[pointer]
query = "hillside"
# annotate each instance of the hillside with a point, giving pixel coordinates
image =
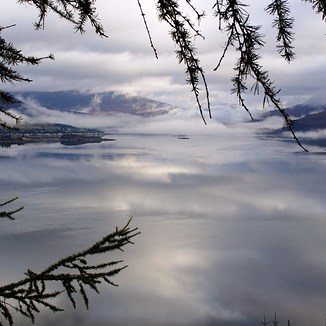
(90, 104)
(66, 106)
(297, 111)
(315, 121)
(305, 117)
(309, 122)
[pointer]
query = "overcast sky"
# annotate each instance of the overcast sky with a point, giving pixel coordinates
(125, 61)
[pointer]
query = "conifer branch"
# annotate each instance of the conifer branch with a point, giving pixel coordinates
(199, 15)
(75, 11)
(10, 57)
(169, 12)
(74, 273)
(247, 41)
(284, 24)
(319, 6)
(9, 214)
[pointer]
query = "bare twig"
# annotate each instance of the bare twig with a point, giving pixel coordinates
(147, 29)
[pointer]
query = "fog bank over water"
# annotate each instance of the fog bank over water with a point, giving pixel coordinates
(232, 227)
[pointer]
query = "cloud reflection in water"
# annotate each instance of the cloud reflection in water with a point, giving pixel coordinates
(228, 232)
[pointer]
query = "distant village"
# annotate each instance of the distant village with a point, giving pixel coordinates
(65, 134)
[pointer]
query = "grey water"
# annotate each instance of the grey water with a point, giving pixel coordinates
(231, 228)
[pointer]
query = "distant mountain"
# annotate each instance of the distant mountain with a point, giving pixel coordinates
(297, 111)
(307, 118)
(315, 121)
(95, 104)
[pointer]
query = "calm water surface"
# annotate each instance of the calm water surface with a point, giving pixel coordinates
(232, 229)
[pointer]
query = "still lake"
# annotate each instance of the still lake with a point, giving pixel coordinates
(231, 228)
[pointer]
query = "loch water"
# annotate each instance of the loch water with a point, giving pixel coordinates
(231, 228)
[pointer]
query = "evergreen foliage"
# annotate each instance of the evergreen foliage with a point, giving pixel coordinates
(245, 38)
(78, 12)
(75, 274)
(10, 57)
(182, 32)
(9, 214)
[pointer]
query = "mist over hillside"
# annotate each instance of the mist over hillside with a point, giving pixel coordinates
(306, 117)
(109, 111)
(91, 104)
(115, 111)
(309, 123)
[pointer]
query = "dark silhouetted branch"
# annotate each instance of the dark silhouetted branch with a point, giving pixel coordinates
(147, 29)
(74, 273)
(9, 213)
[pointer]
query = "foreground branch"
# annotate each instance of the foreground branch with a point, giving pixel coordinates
(9, 213)
(74, 273)
(247, 41)
(181, 26)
